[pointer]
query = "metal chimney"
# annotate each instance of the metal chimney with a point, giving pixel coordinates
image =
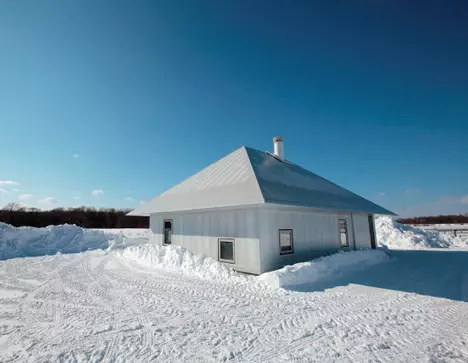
(278, 145)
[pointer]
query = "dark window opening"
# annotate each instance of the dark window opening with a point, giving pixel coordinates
(226, 250)
(167, 232)
(372, 232)
(286, 241)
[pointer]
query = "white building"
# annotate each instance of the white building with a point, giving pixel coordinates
(257, 212)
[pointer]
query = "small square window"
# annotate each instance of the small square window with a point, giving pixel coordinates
(226, 250)
(286, 241)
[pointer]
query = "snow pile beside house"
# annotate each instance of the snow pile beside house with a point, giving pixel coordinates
(323, 268)
(178, 259)
(399, 236)
(30, 241)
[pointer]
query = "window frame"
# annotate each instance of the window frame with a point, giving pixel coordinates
(292, 241)
(231, 240)
(346, 232)
(164, 231)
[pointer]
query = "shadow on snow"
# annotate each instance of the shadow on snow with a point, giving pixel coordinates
(439, 273)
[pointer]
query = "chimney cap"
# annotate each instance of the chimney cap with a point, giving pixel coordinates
(279, 147)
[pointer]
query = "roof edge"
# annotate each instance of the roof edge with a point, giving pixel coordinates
(198, 210)
(327, 209)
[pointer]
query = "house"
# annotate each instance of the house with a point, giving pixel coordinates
(258, 212)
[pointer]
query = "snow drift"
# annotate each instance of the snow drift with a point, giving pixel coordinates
(134, 233)
(178, 259)
(322, 268)
(399, 236)
(30, 241)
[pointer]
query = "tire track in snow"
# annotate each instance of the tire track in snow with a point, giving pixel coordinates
(176, 292)
(29, 316)
(165, 316)
(96, 277)
(335, 308)
(141, 321)
(138, 322)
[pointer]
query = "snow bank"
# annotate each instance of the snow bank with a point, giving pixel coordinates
(30, 241)
(399, 236)
(323, 268)
(442, 227)
(126, 232)
(178, 259)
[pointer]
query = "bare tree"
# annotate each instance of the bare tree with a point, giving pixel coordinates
(14, 207)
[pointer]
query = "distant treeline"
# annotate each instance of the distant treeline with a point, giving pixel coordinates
(90, 217)
(87, 217)
(436, 219)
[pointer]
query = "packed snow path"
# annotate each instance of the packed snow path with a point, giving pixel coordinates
(96, 307)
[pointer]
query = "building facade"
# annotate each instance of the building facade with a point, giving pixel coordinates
(258, 212)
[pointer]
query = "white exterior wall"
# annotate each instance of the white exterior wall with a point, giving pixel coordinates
(315, 233)
(198, 231)
(362, 231)
(256, 229)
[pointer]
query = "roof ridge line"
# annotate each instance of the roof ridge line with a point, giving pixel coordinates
(246, 149)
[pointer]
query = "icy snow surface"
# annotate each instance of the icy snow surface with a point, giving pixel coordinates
(145, 303)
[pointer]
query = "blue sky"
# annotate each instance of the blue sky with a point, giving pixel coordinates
(109, 103)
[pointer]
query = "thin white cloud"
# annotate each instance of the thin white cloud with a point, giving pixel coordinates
(4, 191)
(46, 203)
(76, 156)
(97, 192)
(76, 197)
(129, 199)
(142, 201)
(48, 200)
(382, 194)
(464, 199)
(16, 190)
(24, 197)
(8, 182)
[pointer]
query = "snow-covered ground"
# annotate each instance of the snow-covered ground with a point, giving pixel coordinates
(148, 303)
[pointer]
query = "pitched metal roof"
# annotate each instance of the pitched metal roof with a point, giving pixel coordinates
(248, 176)
(228, 182)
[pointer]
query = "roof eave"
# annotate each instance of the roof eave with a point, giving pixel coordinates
(137, 213)
(295, 204)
